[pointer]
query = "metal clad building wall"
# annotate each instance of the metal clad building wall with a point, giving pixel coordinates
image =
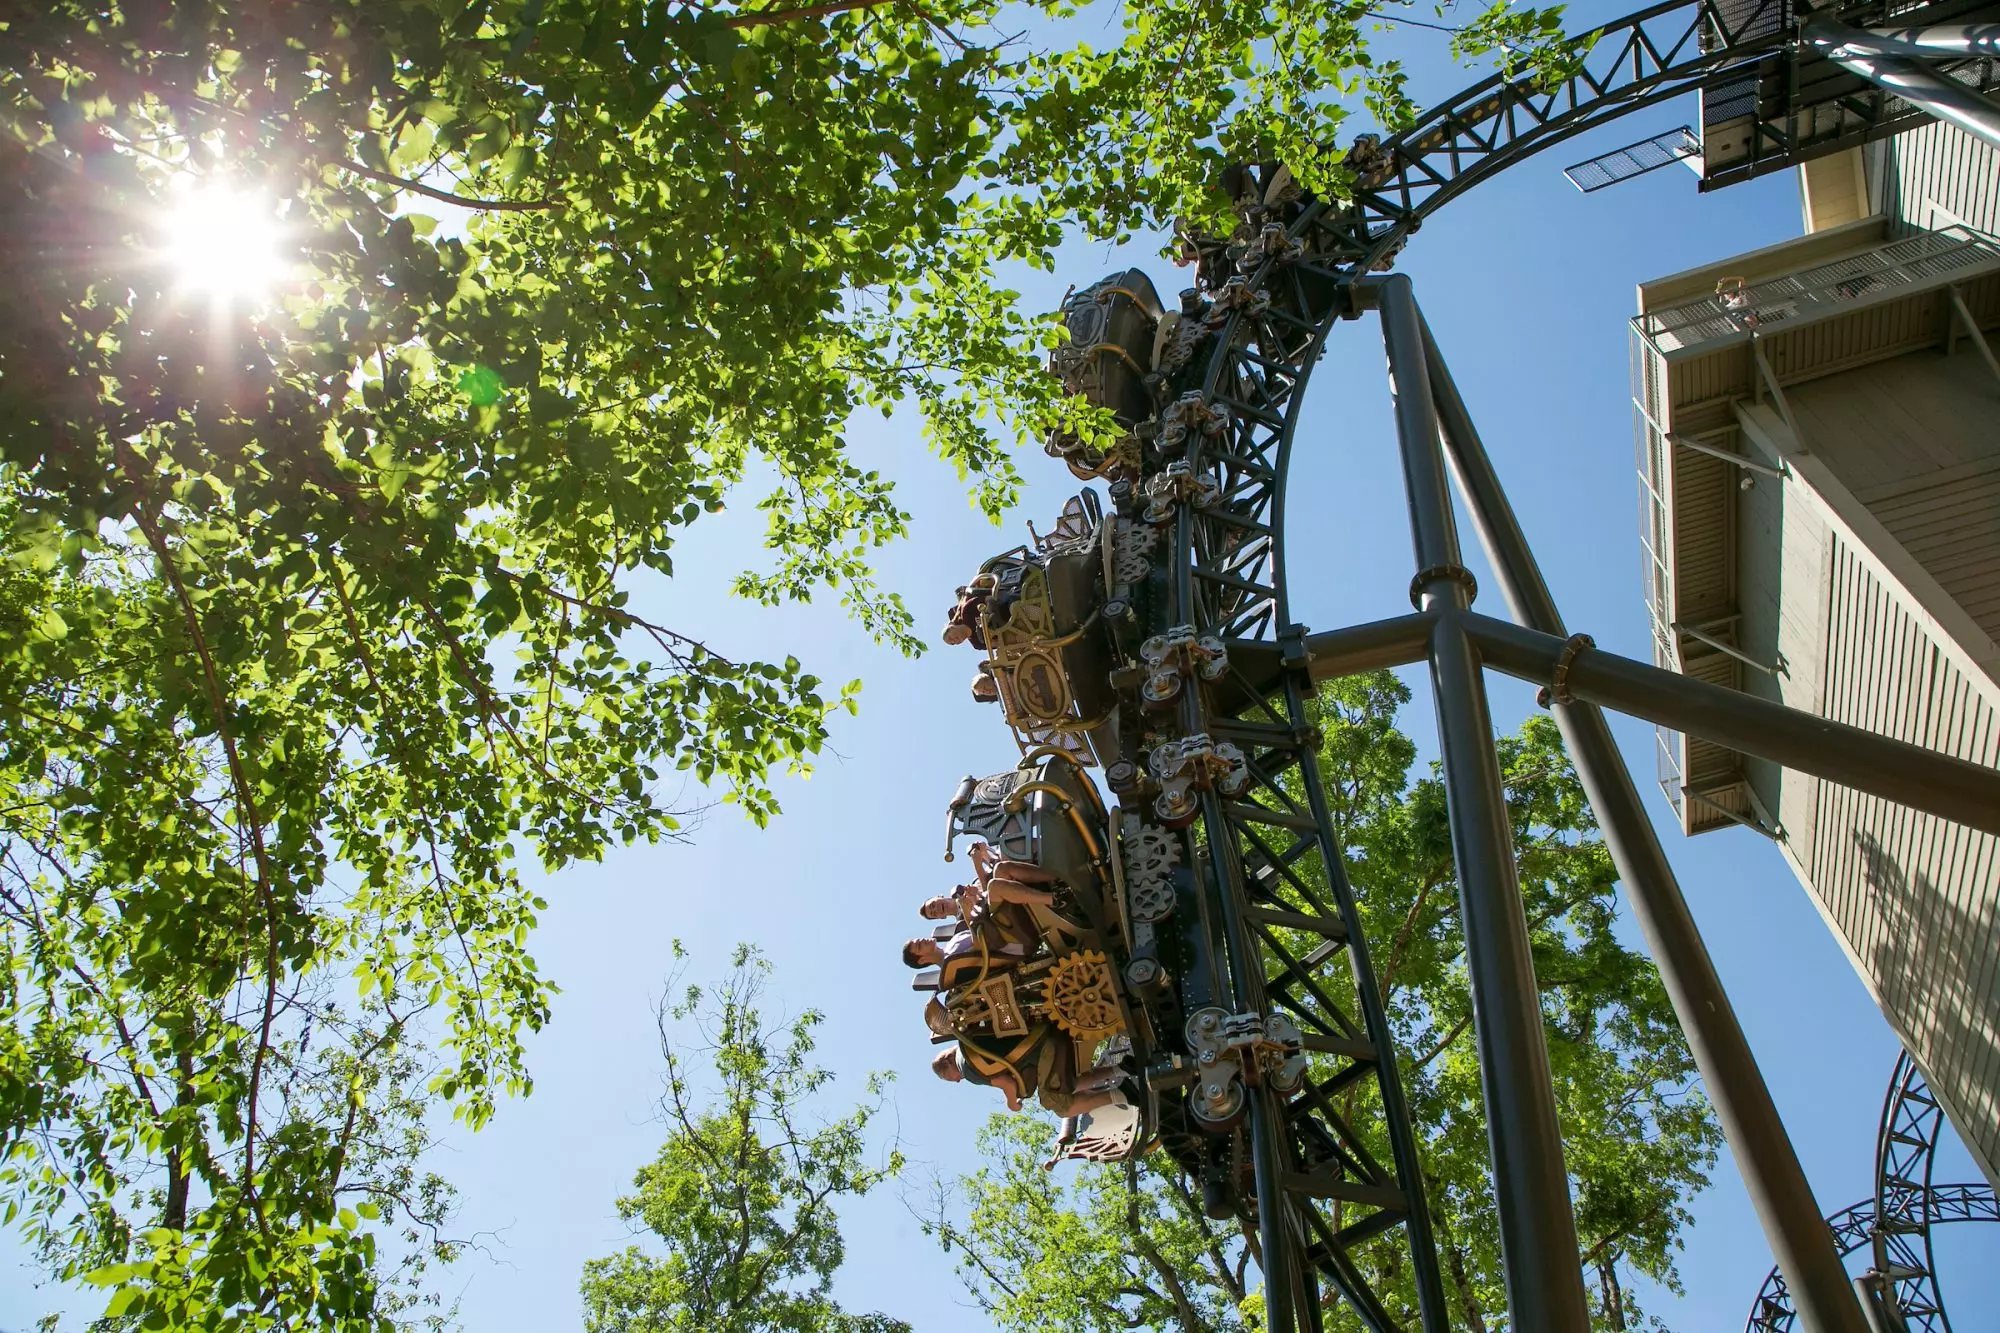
(1943, 177)
(1783, 602)
(1914, 897)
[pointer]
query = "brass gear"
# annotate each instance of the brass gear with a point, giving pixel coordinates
(1082, 998)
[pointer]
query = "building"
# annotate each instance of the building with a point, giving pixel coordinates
(1819, 454)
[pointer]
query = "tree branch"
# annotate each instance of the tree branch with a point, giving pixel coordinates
(446, 196)
(253, 820)
(767, 18)
(1457, 1031)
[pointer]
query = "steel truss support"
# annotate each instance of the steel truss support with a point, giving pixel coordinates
(1792, 1218)
(1895, 1225)
(1328, 1214)
(1538, 1235)
(1537, 1229)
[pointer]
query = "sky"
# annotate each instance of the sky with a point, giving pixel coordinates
(1529, 286)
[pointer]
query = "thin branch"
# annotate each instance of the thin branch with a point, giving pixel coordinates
(1457, 1031)
(446, 196)
(766, 18)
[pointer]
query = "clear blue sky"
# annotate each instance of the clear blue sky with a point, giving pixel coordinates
(1529, 285)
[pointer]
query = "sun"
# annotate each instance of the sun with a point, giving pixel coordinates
(224, 242)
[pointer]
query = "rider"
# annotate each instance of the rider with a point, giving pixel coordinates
(1040, 1064)
(966, 957)
(962, 622)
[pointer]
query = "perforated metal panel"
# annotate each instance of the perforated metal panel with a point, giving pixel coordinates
(1635, 159)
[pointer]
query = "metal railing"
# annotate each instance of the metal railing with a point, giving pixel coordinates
(1914, 263)
(1655, 535)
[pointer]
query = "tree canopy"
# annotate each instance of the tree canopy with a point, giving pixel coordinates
(315, 609)
(741, 1201)
(1113, 1248)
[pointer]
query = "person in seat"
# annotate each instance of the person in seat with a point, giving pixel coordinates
(1029, 890)
(1040, 1063)
(962, 622)
(966, 958)
(1003, 903)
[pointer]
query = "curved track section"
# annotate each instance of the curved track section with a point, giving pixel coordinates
(1643, 59)
(1744, 55)
(1905, 1154)
(1853, 1228)
(1896, 1224)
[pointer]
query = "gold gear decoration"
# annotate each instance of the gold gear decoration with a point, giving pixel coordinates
(1082, 998)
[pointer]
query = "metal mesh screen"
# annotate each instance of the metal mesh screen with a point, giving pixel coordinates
(1622, 164)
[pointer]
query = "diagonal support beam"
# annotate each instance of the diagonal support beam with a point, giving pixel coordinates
(1772, 1175)
(1894, 770)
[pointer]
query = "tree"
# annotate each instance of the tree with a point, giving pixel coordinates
(742, 1196)
(317, 610)
(1128, 1247)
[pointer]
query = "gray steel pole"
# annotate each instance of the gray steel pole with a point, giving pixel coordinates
(1882, 63)
(1894, 770)
(1538, 1243)
(1944, 39)
(1395, 642)
(1793, 1222)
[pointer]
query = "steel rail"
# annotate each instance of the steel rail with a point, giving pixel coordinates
(1272, 851)
(1652, 56)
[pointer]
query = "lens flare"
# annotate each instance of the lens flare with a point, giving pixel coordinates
(225, 243)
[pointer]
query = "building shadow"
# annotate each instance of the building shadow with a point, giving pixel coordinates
(1933, 965)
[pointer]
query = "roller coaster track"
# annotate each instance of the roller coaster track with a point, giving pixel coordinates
(1896, 1224)
(1323, 1194)
(1745, 55)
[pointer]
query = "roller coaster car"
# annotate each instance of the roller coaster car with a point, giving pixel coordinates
(1112, 327)
(1057, 1017)
(1041, 622)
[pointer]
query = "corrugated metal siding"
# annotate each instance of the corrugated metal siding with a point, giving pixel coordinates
(1704, 578)
(1941, 167)
(1951, 525)
(1917, 898)
(1859, 337)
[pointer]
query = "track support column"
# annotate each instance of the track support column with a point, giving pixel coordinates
(1537, 1228)
(1792, 1219)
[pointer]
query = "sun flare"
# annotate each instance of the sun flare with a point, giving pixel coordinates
(224, 242)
